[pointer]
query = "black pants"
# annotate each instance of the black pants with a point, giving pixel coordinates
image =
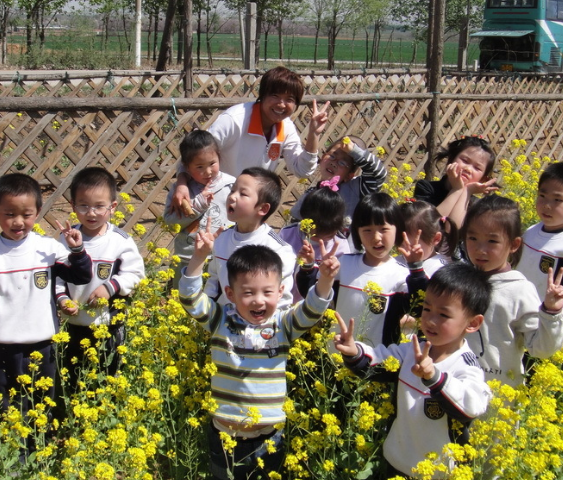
(14, 361)
(242, 462)
(107, 353)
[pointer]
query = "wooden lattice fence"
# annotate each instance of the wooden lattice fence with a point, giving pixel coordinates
(132, 122)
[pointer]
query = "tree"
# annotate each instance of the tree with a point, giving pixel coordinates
(414, 15)
(274, 15)
(208, 11)
(5, 9)
(337, 14)
(165, 52)
(39, 14)
(316, 9)
(152, 9)
(370, 16)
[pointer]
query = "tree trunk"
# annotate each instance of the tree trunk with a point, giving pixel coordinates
(280, 38)
(375, 42)
(266, 45)
(149, 35)
(209, 52)
(155, 43)
(198, 33)
(181, 32)
(166, 43)
(331, 45)
(316, 51)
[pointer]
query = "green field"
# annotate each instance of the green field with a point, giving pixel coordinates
(71, 49)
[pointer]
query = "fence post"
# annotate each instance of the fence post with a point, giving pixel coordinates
(434, 86)
(188, 44)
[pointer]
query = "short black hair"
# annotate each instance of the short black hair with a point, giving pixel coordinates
(466, 282)
(194, 142)
(270, 187)
(17, 184)
(377, 209)
(281, 80)
(506, 215)
(92, 177)
(326, 208)
(253, 259)
(554, 171)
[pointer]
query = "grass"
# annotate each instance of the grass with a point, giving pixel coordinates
(74, 49)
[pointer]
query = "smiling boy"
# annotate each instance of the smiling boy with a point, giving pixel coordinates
(29, 264)
(440, 379)
(250, 341)
(543, 242)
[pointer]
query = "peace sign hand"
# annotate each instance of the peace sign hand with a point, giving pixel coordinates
(412, 252)
(319, 118)
(344, 341)
(205, 240)
(554, 294)
(72, 236)
(424, 365)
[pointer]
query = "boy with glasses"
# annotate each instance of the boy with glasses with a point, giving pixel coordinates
(117, 268)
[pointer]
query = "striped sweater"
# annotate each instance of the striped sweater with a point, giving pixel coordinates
(250, 359)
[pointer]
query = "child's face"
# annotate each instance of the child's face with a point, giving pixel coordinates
(17, 215)
(256, 295)
(445, 322)
(488, 246)
(94, 207)
(242, 202)
(473, 162)
(549, 205)
(336, 162)
(275, 108)
(204, 166)
(378, 240)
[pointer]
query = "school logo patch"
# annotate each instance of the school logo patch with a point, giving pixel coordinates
(41, 279)
(274, 151)
(377, 304)
(432, 409)
(104, 271)
(546, 262)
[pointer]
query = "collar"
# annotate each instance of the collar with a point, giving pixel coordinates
(255, 126)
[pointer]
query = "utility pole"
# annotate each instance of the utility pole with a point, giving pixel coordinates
(138, 27)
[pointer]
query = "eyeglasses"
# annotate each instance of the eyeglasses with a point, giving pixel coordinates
(98, 210)
(340, 163)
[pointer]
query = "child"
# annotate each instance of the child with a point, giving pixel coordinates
(377, 226)
(516, 319)
(209, 189)
(338, 168)
(326, 209)
(250, 340)
(118, 268)
(29, 264)
(469, 166)
(259, 134)
(439, 380)
(254, 197)
(543, 242)
(437, 235)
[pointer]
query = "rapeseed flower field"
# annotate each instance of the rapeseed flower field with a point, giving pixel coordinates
(149, 421)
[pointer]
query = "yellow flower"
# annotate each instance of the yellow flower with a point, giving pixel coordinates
(229, 443)
(391, 364)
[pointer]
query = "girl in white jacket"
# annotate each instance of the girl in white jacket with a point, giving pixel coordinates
(516, 319)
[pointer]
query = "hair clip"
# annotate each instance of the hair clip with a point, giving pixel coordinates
(332, 184)
(480, 137)
(443, 219)
(410, 200)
